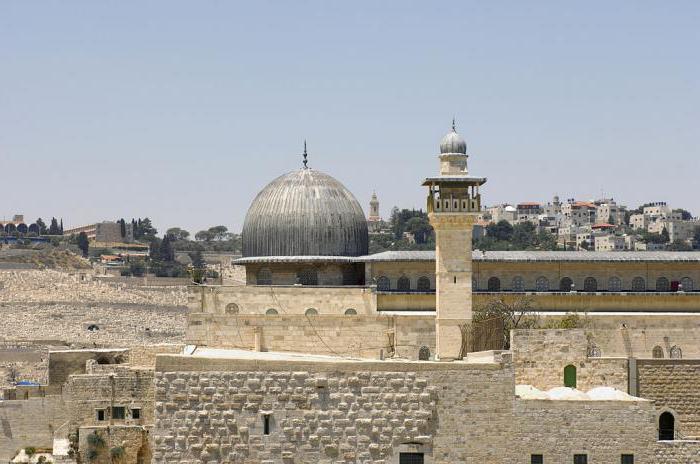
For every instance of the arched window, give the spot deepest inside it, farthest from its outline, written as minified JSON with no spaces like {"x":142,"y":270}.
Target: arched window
{"x":494,"y":284}
{"x":232,"y":308}
{"x":308,"y":276}
{"x":590,"y":285}
{"x":662,"y":284}
{"x":687,"y":284}
{"x":475,"y":284}
{"x":675,"y":352}
{"x":264,"y":277}
{"x":271,"y":312}
{"x":542,"y":284}
{"x":657,"y":352}
{"x":566,"y":284}
{"x":350,"y":312}
{"x":614,"y":284}
{"x":639,"y":285}
{"x":594,"y":351}
{"x":570,"y":376}
{"x":667,"y":426}
{"x":34,"y":229}
{"x":423,"y":284}
{"x":22,"y":228}
{"x":311,"y":312}
{"x":424,"y":353}
{"x":383,"y":283}
{"x":404,"y":284}
{"x":518,"y":285}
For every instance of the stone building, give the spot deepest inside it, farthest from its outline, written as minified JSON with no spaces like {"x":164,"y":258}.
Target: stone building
{"x":327,"y":354}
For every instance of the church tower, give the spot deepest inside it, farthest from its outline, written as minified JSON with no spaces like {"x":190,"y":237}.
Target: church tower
{"x":374,"y":208}
{"x":454,"y":203}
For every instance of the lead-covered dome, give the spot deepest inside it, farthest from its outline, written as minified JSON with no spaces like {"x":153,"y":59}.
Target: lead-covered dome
{"x":453,"y":143}
{"x":305,"y":213}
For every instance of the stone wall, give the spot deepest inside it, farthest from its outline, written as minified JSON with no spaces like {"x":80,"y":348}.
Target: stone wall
{"x":130,"y":441}
{"x":145,"y":355}
{"x":540,"y":356}
{"x":29,"y":422}
{"x":62,"y":364}
{"x":283,"y":299}
{"x":129,"y":388}
{"x":601,"y":429}
{"x":674,"y":385}
{"x":358,"y":336}
{"x":677,"y":452}
{"x":328,"y":412}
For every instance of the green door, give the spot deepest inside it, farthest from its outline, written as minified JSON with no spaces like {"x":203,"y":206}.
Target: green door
{"x":570,"y":376}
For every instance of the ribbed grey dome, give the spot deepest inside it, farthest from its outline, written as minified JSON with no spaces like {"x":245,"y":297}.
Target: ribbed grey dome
{"x":453,"y":143}
{"x":305,"y":213}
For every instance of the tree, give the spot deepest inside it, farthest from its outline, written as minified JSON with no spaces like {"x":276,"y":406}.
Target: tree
{"x":137,"y":268}
{"x":524,"y":235}
{"x":83,"y":243}
{"x":516,"y":313}
{"x":679,"y":245}
{"x":42,"y":226}
{"x":54,"y":229}
{"x":122,"y":227}
{"x":176,"y":233}
{"x":420,"y":228}
{"x":219,"y":232}
{"x":198,"y":266}
{"x":502,"y":231}
{"x":61,"y":227}
{"x":166,"y":252}
{"x":665,"y":236}
{"x":685,"y":214}
{"x":144,"y":230}
{"x":204,"y":236}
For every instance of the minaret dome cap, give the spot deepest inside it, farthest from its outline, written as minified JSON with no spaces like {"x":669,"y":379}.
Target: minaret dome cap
{"x":453,"y":143}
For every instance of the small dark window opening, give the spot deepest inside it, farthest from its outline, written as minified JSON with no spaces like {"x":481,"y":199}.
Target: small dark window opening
{"x":411,"y":458}
{"x":100,"y":414}
{"x":118,"y":412}
{"x":136,"y":413}
{"x":580,"y":459}
{"x":455,"y":279}
{"x":536,"y":459}
{"x":266,"y":424}
{"x":627,"y":459}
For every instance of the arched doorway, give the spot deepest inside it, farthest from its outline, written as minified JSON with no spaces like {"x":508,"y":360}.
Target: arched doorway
{"x":667,"y":426}
{"x":565,"y":284}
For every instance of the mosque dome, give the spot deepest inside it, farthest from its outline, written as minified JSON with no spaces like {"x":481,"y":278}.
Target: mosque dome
{"x":305,"y":213}
{"x":453,"y":143}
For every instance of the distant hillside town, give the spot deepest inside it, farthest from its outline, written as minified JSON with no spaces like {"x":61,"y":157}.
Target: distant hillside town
{"x":594,"y":225}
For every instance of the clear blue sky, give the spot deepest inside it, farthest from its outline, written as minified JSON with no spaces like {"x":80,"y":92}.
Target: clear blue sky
{"x":182,"y":111}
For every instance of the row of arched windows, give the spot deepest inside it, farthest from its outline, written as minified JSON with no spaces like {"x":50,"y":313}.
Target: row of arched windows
{"x":674,"y":352}
{"x":20,"y":228}
{"x":306,"y":276}
{"x":403,"y":284}
{"x":590,"y":284}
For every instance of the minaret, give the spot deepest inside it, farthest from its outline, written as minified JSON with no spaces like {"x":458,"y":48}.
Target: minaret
{"x":374,"y":209}
{"x":454,"y":203}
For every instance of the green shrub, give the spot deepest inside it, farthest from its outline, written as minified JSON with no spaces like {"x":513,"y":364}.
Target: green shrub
{"x":30,"y":450}
{"x":95,"y":440}
{"x":117,"y":452}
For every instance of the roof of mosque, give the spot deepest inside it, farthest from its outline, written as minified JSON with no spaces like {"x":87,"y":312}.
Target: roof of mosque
{"x":305,"y":213}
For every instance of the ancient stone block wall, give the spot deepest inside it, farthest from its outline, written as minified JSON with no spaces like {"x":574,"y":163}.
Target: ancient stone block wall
{"x":145,"y":355}
{"x":29,"y":422}
{"x":116,"y":443}
{"x":673,"y":385}
{"x":676,"y":452}
{"x":62,"y":364}
{"x":601,"y":429}
{"x":214,"y":410}
{"x":540,"y":356}
{"x":358,"y":336}
{"x":130,"y":388}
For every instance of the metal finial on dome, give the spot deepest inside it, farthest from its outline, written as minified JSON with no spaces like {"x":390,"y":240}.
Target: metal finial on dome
{"x":305,"y":156}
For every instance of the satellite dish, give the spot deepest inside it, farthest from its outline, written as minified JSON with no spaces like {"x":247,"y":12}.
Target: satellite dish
{"x":190,"y":349}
